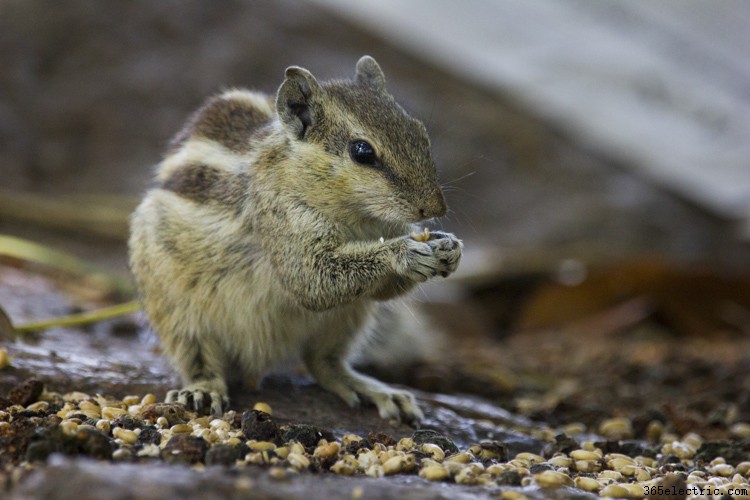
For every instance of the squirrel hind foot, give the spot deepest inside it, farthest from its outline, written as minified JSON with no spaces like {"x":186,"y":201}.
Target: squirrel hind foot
{"x":197,"y":398}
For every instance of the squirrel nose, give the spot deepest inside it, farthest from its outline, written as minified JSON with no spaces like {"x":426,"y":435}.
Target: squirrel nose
{"x":435,"y":208}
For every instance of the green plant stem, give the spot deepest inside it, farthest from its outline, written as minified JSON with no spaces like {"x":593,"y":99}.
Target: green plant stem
{"x":82,"y":318}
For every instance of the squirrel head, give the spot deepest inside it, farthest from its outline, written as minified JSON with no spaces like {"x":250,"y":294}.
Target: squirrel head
{"x":368,"y":156}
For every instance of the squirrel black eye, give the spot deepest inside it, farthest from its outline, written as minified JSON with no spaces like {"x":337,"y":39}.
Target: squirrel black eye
{"x":362,"y":153}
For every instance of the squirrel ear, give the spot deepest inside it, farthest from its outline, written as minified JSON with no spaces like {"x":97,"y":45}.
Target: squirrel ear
{"x":297,"y":100}
{"x":369,"y":73}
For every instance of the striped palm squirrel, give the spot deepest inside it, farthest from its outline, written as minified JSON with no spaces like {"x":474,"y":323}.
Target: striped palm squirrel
{"x":280,"y":225}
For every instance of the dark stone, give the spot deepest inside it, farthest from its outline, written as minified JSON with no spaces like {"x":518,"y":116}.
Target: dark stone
{"x":307,"y":435}
{"x":496,"y":450}
{"x":26,"y":393}
{"x":38,"y":451}
{"x":634,"y":448}
{"x":48,"y":441}
{"x":259,"y":425}
{"x":429,"y":436}
{"x":382,"y":438}
{"x":149,"y":435}
{"x":537,"y":468}
{"x":95,"y":444}
{"x":5,"y":403}
{"x":184,"y":449}
{"x":355,"y":446}
{"x":222,"y":454}
{"x":563,"y":444}
{"x":509,"y":477}
{"x":732,"y":451}
{"x":127,"y":422}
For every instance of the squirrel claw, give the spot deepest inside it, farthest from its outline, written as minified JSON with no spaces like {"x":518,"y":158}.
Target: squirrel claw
{"x":198,"y":400}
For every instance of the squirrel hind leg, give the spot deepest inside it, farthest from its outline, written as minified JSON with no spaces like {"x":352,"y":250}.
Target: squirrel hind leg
{"x":334,"y":374}
{"x":204,"y":388}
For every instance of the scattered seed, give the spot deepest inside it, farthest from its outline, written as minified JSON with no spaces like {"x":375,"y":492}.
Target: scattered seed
{"x":434,"y":473}
{"x":587,"y":484}
{"x":148,"y":399}
{"x":298,"y":461}
{"x":624,"y":490}
{"x":344,"y":468}
{"x":181,"y":429}
{"x":435,"y":451}
{"x":264,"y":407}
{"x":740,"y":429}
{"x":349,"y":439}
{"x":69,"y":427}
{"x":406,"y":444}
{"x":126,"y":435}
{"x":262,"y":446}
{"x":552,"y":479}
{"x":724,"y":470}
{"x":561,"y":461}
{"x":131,"y":400}
{"x":327,"y":451}
{"x":39,"y":405}
{"x":462,"y":458}
{"x":394,"y":465}
{"x":616,"y":428}
{"x":111,"y":413}
{"x":583,"y":455}
{"x":532,"y":458}
{"x":375,"y":471}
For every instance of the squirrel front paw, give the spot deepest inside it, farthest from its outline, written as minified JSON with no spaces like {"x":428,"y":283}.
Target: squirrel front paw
{"x":439,"y":256}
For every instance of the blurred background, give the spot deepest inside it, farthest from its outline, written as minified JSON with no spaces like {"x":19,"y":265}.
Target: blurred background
{"x":596,"y":157}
